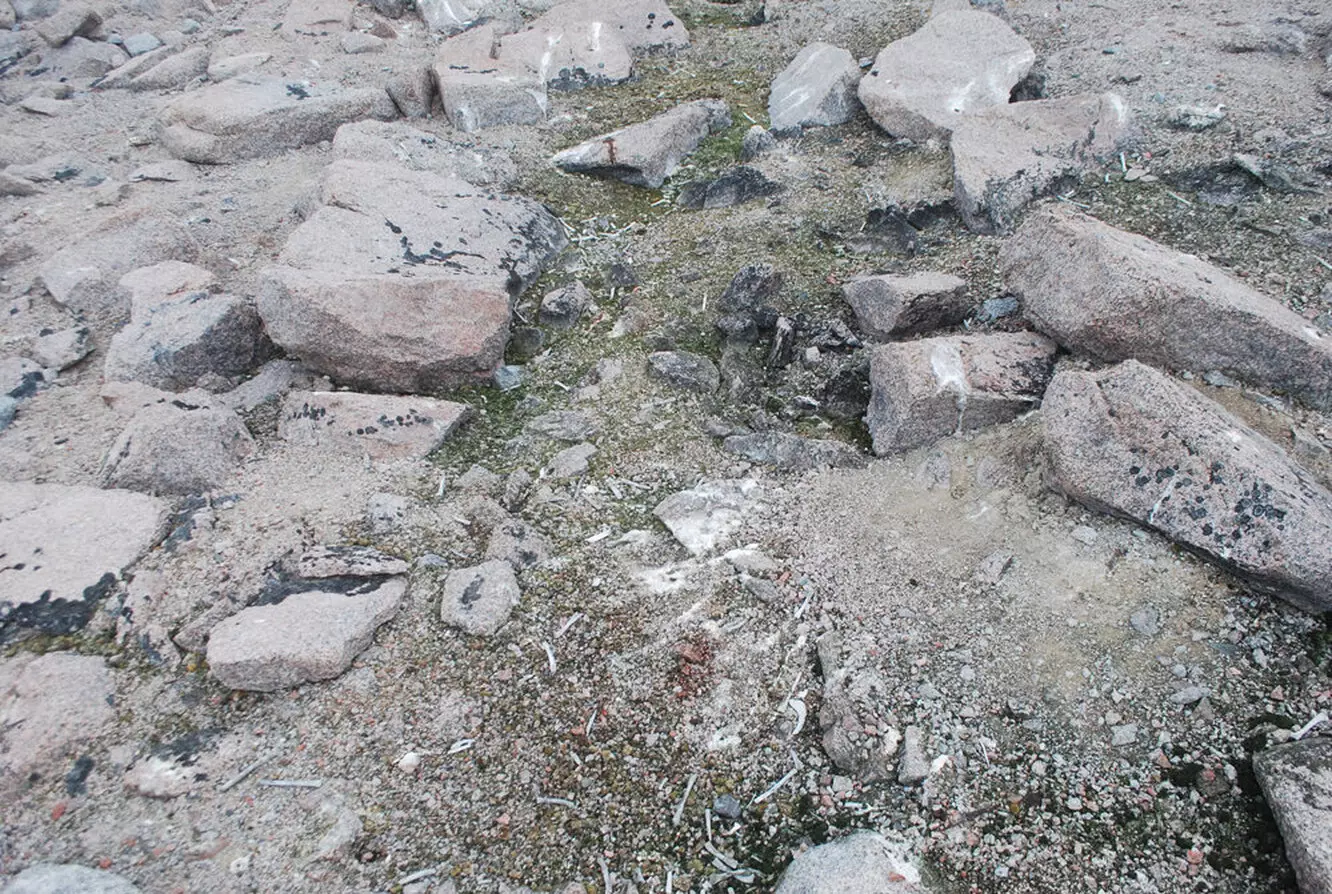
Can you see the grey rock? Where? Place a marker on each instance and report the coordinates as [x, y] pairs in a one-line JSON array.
[[1196, 118], [69, 21], [8, 410], [752, 286], [46, 106], [61, 350], [957, 64], [646, 154], [178, 342], [479, 600], [734, 187], [81, 58], [914, 765], [571, 461], [123, 74], [935, 387], [1125, 734], [391, 9], [67, 878], [241, 119], [349, 561], [1005, 157], [401, 281], [28, 10], [160, 778], [479, 91], [860, 863], [48, 705], [705, 517], [1113, 295], [177, 448], [685, 370], [1296, 780], [818, 88], [174, 71], [452, 16], [305, 638], [727, 806], [758, 140], [143, 42], [563, 306], [83, 276], [11, 184], [794, 453], [157, 284], [226, 67], [20, 378], [15, 45], [889, 305], [1133, 442], [395, 142], [355, 43], [564, 425], [65, 547], [518, 544], [382, 427], [1146, 621], [413, 91], [8, 17]]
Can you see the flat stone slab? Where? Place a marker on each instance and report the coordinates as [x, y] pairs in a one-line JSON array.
[[922, 391], [706, 517], [177, 447], [645, 154], [62, 548], [1114, 295], [959, 63], [305, 638], [253, 117], [65, 878], [48, 704], [479, 600], [398, 143], [1134, 442], [860, 863], [383, 427], [1296, 779], [892, 305], [818, 88], [1006, 156]]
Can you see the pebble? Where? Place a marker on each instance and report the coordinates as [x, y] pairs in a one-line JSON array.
[[1126, 734], [726, 806], [1189, 695]]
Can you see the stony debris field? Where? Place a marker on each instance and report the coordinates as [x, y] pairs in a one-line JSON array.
[[665, 446]]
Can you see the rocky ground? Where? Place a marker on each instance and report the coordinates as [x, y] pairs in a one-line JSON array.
[[803, 446]]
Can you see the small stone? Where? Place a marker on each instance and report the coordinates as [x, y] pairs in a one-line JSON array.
[[385, 428], [703, 518], [356, 43], [860, 863], [734, 187], [572, 461], [726, 806], [138, 44], [61, 878], [1146, 621], [479, 600], [685, 370], [914, 765], [61, 350], [1189, 695], [1126, 734], [562, 307], [889, 306], [758, 140], [1084, 534]]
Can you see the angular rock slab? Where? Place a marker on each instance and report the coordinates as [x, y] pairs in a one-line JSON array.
[[152, 285], [256, 117], [480, 89], [818, 88], [925, 390], [58, 878], [861, 863], [645, 154], [382, 427], [47, 705], [177, 448], [1005, 157], [479, 600], [402, 280], [1132, 441], [705, 517], [397, 143], [889, 305], [305, 638], [1113, 295], [1296, 779], [957, 64], [62, 548], [177, 342]]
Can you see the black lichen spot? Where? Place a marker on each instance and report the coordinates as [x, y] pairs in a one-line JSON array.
[[76, 780], [297, 91]]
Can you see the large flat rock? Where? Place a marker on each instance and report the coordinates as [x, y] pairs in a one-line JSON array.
[[925, 390], [305, 638], [253, 117], [62, 548], [1132, 441], [402, 280], [49, 704], [382, 427], [1114, 295], [959, 63], [645, 154], [1296, 778], [67, 878]]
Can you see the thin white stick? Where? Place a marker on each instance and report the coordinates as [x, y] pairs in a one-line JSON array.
[[240, 777], [291, 783], [550, 655], [680, 808], [564, 628], [772, 789]]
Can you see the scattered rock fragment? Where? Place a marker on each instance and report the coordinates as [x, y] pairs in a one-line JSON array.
[[1196, 118], [914, 765], [1114, 295], [174, 71], [685, 370], [926, 390], [177, 448], [382, 427], [1133, 442], [646, 154], [890, 305], [571, 461], [705, 517], [1296, 780], [563, 306], [860, 863], [305, 638], [793, 453], [349, 561], [519, 544], [479, 600], [818, 88], [564, 425], [159, 777]]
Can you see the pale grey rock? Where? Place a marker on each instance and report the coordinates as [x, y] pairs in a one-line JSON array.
[[564, 425], [143, 42], [925, 390], [1296, 779], [67, 878], [914, 765], [65, 547], [357, 42], [305, 638], [1132, 441], [62, 349], [175, 344], [123, 74], [758, 140], [645, 154], [519, 544], [818, 88], [46, 106], [162, 778], [81, 58], [706, 517], [860, 863], [260, 116], [571, 461], [479, 600], [69, 21], [8, 411], [48, 705], [452, 16], [177, 448], [793, 453], [174, 71], [685, 370], [892, 305], [413, 91], [28, 10], [21, 378], [383, 427], [11, 184], [1114, 295], [316, 18], [1005, 157], [477, 91], [957, 64], [563, 306], [349, 561], [395, 142], [156, 284], [272, 380], [226, 67]]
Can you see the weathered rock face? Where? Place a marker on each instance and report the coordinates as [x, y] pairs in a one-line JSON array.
[[646, 154], [177, 342], [705, 517], [684, 370], [1114, 295], [64, 549], [959, 63], [891, 305], [47, 705], [395, 142], [252, 118], [152, 285], [479, 600], [57, 878], [402, 280], [817, 88], [928, 389], [1131, 441], [305, 638], [383, 427], [861, 863], [1008, 155], [1297, 781], [177, 448]]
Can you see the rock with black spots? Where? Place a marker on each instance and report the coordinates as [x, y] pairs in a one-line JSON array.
[[519, 544], [479, 600], [349, 561], [1296, 779], [380, 426], [818, 88], [49, 704], [645, 154], [895, 305], [735, 187]]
